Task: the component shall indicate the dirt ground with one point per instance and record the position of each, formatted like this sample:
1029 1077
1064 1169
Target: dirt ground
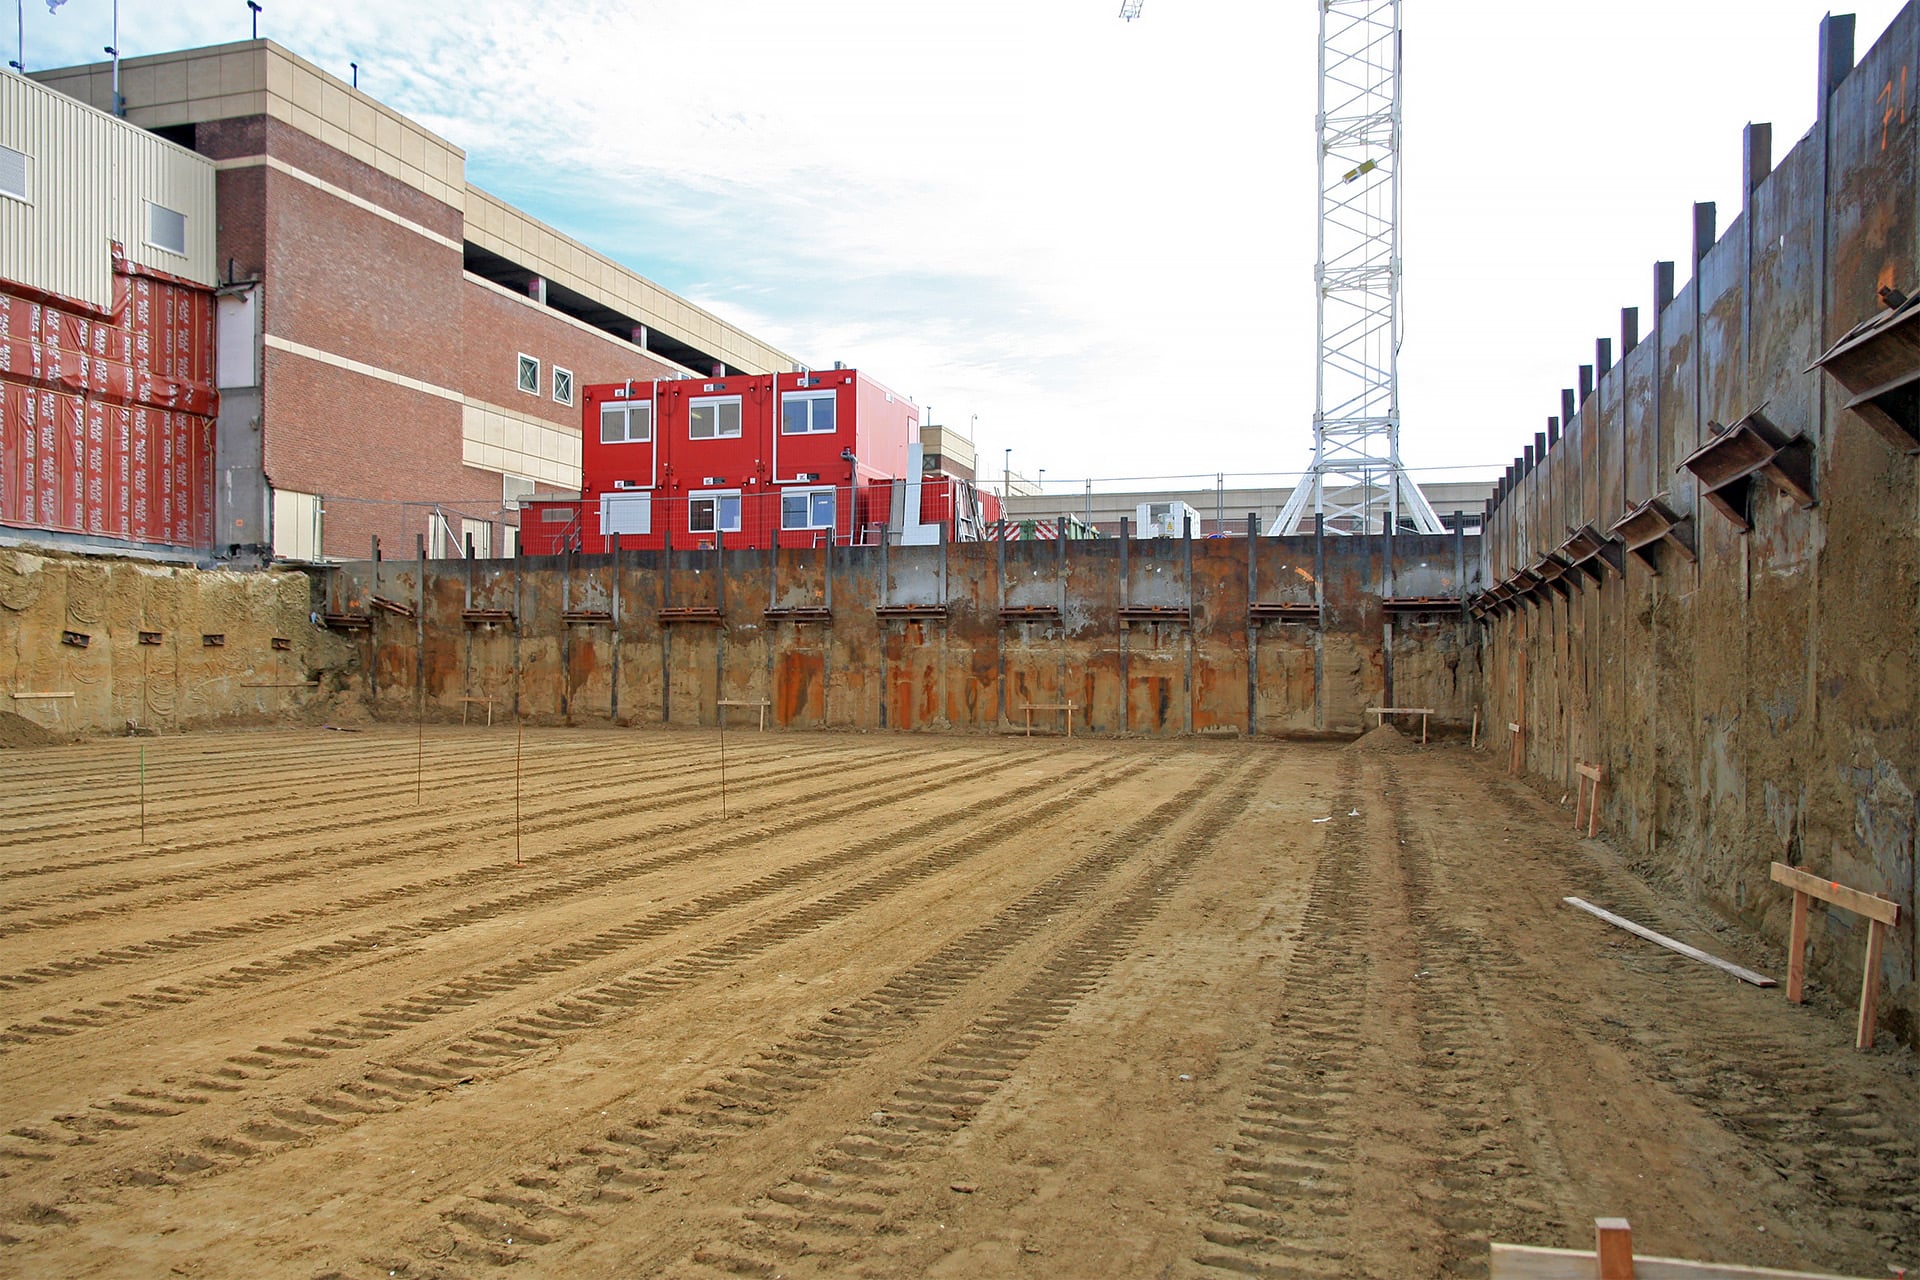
915 1006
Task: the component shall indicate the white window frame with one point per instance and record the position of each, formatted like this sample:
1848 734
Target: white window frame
556 379
716 497
26 175
700 402
520 376
628 410
626 513
791 397
833 509
154 206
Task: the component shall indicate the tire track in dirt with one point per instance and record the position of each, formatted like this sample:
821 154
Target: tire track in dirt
130 1005
173 793
841 1201
1829 1124
580 771
439 838
1288 1188
392 1085
1494 1148
548 818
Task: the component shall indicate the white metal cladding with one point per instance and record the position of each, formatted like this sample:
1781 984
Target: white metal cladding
90 178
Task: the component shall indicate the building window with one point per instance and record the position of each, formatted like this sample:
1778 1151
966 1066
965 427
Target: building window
166 229
806 413
714 512
562 385
806 509
716 418
13 173
626 422
530 375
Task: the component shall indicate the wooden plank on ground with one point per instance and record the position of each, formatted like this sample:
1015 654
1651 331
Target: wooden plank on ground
1865 904
1524 1262
1694 953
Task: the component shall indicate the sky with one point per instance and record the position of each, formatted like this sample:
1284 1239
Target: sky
1085 240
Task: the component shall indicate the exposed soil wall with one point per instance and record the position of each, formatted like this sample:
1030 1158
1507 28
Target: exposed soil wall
1756 702
90 645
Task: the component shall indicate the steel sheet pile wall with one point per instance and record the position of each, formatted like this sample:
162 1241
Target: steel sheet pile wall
1144 637
106 417
1751 693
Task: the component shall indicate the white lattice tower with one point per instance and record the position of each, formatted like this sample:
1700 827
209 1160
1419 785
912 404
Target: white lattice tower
1356 480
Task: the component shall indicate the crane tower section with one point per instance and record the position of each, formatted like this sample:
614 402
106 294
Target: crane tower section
1357 481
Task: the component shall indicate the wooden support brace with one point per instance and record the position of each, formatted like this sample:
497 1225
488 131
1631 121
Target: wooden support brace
1881 914
1422 712
1067 707
466 703
1587 773
758 704
1612 1258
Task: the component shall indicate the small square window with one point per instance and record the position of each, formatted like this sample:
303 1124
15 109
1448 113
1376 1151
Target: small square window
626 423
715 419
806 413
166 228
13 173
713 513
562 385
530 375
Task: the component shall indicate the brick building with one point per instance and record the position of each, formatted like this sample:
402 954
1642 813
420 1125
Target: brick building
400 353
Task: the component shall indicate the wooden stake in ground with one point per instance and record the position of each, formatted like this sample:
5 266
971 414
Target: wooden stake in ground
419 748
143 795
722 718
517 736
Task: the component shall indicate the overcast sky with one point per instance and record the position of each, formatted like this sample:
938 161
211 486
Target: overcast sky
1095 236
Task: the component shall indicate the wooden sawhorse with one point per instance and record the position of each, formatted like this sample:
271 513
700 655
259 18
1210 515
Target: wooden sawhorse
1050 706
760 704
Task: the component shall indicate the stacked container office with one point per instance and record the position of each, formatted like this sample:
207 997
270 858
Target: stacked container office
789 460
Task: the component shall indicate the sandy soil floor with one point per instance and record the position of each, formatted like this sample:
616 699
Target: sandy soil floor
915 1006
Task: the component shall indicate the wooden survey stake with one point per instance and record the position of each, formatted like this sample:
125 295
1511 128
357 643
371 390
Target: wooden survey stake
1881 914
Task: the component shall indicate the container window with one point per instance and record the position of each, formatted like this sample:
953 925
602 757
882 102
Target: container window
806 509
530 375
562 385
166 229
717 418
13 173
714 512
626 423
806 413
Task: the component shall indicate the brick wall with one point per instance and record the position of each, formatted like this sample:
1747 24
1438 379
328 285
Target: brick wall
497 329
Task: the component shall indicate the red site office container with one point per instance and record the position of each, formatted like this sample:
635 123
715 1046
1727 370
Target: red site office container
752 461
107 417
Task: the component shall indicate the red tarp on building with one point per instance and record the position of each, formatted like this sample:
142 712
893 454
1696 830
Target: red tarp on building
107 421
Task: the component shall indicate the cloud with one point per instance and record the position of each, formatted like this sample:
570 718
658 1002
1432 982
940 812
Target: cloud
1097 236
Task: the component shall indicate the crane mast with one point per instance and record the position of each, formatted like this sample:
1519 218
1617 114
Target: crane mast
1356 470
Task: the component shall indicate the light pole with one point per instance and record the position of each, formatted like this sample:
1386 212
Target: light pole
251 4
1006 475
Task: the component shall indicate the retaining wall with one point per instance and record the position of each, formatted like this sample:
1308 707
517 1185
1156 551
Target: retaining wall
1144 637
1758 702
92 645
